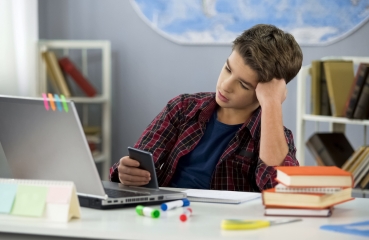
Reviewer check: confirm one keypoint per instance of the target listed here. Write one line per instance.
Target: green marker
(65, 105)
(147, 211)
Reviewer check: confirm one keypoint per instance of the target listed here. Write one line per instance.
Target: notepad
(50, 200)
(218, 196)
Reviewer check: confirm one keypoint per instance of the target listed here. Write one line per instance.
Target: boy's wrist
(270, 104)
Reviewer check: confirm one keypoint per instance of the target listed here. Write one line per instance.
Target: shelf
(99, 158)
(97, 99)
(84, 47)
(329, 119)
(335, 123)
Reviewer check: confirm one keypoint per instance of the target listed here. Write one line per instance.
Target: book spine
(320, 150)
(315, 87)
(76, 75)
(315, 154)
(325, 106)
(357, 86)
(51, 77)
(362, 108)
(55, 68)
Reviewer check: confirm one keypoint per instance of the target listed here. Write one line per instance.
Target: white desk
(204, 224)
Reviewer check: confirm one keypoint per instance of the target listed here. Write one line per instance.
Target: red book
(77, 76)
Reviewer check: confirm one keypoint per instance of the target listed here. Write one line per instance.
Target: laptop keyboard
(119, 193)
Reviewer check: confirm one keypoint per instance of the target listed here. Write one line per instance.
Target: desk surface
(204, 224)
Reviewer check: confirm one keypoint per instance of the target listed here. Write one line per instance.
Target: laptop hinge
(92, 196)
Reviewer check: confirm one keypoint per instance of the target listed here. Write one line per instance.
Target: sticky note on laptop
(7, 196)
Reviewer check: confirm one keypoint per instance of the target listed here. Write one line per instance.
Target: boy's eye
(243, 86)
(227, 69)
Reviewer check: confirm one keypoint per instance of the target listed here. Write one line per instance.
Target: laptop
(37, 142)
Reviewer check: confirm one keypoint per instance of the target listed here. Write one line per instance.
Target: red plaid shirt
(179, 127)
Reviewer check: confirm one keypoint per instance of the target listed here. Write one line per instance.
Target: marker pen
(174, 204)
(186, 214)
(147, 211)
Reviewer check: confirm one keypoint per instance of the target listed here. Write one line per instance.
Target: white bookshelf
(336, 124)
(103, 97)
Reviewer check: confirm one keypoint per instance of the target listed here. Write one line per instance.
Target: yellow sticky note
(30, 201)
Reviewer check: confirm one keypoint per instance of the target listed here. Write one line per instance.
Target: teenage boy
(230, 139)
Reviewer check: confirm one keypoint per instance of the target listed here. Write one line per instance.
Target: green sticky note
(7, 195)
(30, 201)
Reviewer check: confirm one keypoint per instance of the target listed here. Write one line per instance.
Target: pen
(234, 224)
(186, 214)
(174, 204)
(147, 211)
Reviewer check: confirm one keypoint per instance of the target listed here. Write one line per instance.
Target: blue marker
(174, 204)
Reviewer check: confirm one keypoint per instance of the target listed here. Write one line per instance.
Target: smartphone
(146, 162)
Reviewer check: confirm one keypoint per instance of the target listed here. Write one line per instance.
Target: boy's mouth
(221, 97)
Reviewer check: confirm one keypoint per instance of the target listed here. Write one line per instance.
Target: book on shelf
(356, 88)
(319, 91)
(315, 87)
(350, 162)
(68, 66)
(364, 184)
(358, 165)
(314, 176)
(305, 200)
(50, 75)
(330, 149)
(56, 76)
(298, 212)
(362, 174)
(325, 106)
(362, 108)
(91, 129)
(93, 138)
(339, 76)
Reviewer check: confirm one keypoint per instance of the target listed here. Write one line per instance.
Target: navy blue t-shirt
(195, 169)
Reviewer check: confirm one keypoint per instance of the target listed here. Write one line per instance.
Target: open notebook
(216, 196)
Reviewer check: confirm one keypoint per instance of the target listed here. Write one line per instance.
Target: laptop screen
(45, 140)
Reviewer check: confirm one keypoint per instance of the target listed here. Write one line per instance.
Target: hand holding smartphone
(146, 162)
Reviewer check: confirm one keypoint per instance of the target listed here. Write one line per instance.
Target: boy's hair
(270, 52)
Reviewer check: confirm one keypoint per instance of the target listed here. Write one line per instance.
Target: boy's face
(236, 85)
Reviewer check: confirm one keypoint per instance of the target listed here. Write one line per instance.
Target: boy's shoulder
(197, 98)
(200, 96)
(189, 104)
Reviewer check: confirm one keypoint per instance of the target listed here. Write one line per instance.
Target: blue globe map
(311, 22)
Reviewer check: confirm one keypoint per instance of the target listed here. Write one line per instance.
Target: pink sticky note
(45, 102)
(59, 194)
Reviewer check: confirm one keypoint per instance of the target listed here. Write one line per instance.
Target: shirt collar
(252, 124)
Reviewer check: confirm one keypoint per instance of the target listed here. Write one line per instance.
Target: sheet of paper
(30, 201)
(226, 195)
(7, 195)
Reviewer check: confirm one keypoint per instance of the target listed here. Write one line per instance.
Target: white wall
(148, 70)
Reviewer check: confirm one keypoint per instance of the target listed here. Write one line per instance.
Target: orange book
(314, 176)
(305, 200)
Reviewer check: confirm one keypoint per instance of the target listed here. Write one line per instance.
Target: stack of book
(307, 191)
